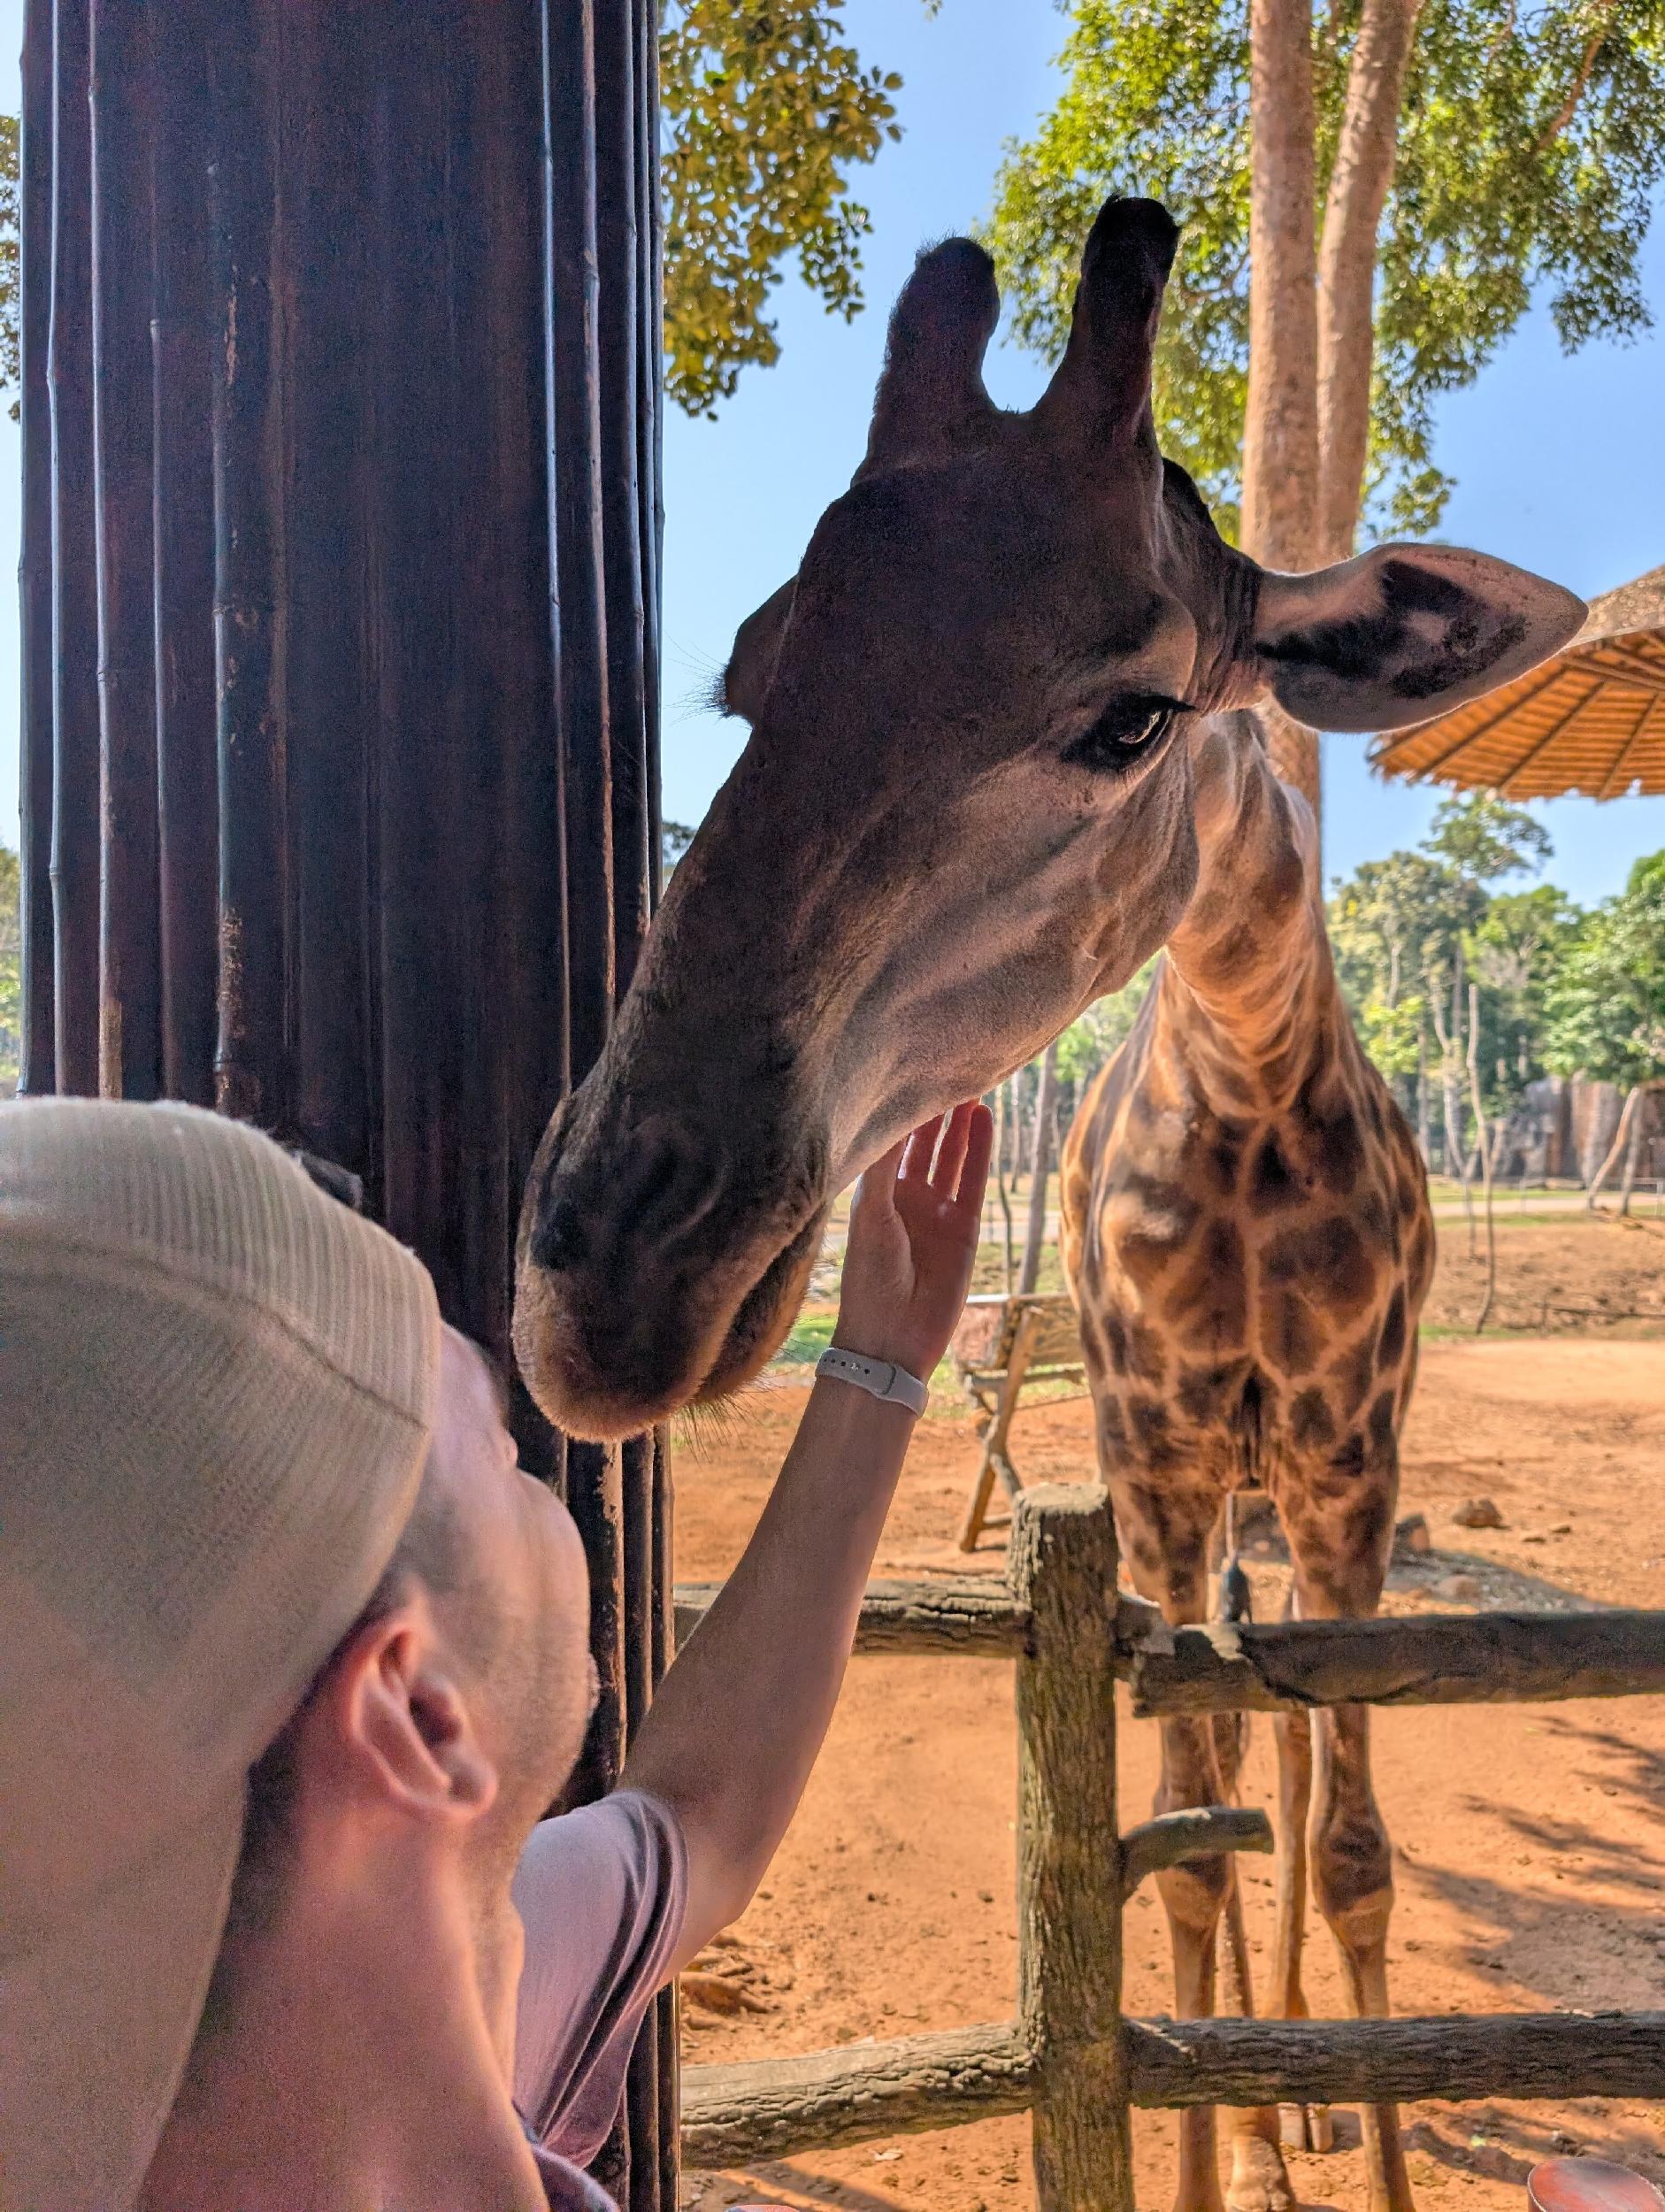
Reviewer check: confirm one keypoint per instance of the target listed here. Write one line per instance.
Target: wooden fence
(1069, 2056)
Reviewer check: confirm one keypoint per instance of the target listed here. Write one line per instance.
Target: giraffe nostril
(559, 1241)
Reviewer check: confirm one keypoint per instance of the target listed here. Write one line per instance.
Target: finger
(915, 1161)
(951, 1152)
(979, 1150)
(877, 1183)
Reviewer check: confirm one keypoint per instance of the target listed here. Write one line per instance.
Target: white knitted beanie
(216, 1393)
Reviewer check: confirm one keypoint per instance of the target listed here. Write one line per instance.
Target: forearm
(736, 1725)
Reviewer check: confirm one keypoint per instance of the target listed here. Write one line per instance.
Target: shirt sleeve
(602, 1893)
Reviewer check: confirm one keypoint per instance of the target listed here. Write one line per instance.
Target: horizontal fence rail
(1438, 1659)
(736, 2115)
(1274, 1666)
(970, 1616)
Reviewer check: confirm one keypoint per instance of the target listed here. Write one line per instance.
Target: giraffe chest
(1288, 1253)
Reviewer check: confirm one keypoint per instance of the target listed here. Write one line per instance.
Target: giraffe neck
(1248, 999)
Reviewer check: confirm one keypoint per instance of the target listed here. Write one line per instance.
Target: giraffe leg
(1195, 1897)
(1353, 1880)
(1305, 2127)
(1347, 1844)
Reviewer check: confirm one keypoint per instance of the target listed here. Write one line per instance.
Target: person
(294, 1658)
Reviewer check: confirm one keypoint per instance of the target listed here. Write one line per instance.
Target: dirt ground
(1530, 1841)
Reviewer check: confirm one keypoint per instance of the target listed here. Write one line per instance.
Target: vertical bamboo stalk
(618, 181)
(188, 805)
(34, 792)
(578, 524)
(76, 859)
(129, 994)
(1062, 1566)
(250, 454)
(322, 273)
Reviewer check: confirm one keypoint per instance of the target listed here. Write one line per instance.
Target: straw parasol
(1592, 720)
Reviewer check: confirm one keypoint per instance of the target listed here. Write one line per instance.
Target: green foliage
(1482, 837)
(765, 109)
(1604, 1013)
(11, 367)
(1530, 145)
(674, 840)
(10, 971)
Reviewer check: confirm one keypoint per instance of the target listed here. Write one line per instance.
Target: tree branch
(1576, 91)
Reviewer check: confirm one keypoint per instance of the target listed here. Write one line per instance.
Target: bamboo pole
(186, 767)
(326, 269)
(35, 766)
(249, 433)
(75, 840)
(129, 980)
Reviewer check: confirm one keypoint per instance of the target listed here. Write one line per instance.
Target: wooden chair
(1002, 1347)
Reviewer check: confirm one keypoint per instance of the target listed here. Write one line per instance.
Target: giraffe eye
(1129, 728)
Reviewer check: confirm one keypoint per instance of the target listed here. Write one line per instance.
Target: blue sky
(1560, 463)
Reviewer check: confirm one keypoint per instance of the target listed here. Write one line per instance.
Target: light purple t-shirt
(602, 1893)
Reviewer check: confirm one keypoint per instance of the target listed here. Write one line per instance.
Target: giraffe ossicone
(964, 811)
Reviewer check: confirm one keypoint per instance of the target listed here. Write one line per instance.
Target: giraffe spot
(1381, 1425)
(1353, 1375)
(1289, 1331)
(1390, 1345)
(1146, 1355)
(1366, 1525)
(1152, 1433)
(1329, 1260)
(1210, 1296)
(1310, 1425)
(1201, 1392)
(1152, 1221)
(1111, 1426)
(1273, 1184)
(1331, 1123)
(1373, 1109)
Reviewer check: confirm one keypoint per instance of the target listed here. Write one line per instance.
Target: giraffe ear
(930, 388)
(744, 684)
(1403, 632)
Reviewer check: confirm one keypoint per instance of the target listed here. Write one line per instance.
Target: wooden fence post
(1062, 1566)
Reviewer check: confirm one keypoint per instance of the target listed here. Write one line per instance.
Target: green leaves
(1531, 146)
(1606, 1010)
(766, 110)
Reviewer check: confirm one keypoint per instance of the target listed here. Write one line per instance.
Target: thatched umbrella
(1592, 720)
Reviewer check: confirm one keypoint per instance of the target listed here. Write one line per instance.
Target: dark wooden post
(1069, 1881)
(341, 410)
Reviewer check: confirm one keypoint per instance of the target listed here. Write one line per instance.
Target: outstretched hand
(914, 1228)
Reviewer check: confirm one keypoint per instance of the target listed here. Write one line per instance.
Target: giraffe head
(964, 812)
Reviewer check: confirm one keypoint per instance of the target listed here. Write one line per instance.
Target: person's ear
(399, 1724)
(1404, 632)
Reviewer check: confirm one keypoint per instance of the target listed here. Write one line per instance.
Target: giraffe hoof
(1258, 2182)
(1306, 2127)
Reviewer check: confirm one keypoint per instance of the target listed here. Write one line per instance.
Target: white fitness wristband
(894, 1385)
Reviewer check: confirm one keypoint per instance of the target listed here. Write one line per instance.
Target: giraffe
(1246, 1230)
(964, 810)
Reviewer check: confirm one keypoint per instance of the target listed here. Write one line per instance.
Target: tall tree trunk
(1484, 1148)
(1628, 1120)
(1280, 433)
(1360, 179)
(1424, 1119)
(1042, 1170)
